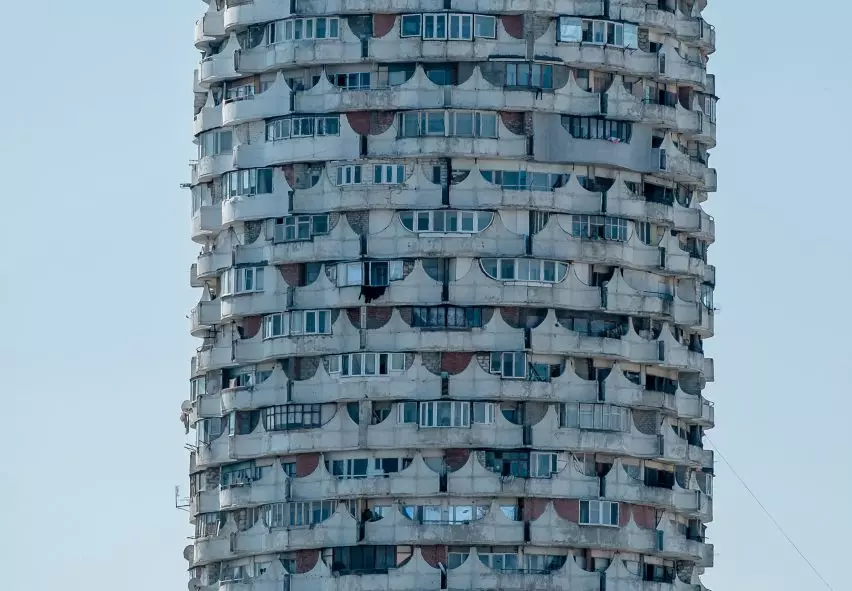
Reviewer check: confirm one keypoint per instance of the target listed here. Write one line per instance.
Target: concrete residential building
(455, 289)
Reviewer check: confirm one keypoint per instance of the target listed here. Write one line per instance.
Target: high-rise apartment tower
(454, 294)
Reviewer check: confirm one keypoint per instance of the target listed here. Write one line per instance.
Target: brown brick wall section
(514, 25)
(568, 509)
(354, 315)
(306, 464)
(379, 316)
(434, 555)
(251, 326)
(512, 316)
(644, 516)
(513, 121)
(359, 221)
(456, 458)
(407, 315)
(534, 508)
(306, 560)
(382, 24)
(292, 274)
(455, 363)
(359, 122)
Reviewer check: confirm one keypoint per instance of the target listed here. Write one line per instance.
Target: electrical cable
(769, 515)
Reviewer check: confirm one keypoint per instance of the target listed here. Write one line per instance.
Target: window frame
(602, 509)
(392, 363)
(238, 278)
(282, 417)
(498, 364)
(590, 416)
(433, 412)
(521, 264)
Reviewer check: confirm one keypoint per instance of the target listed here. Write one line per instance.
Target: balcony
(343, 50)
(340, 243)
(260, 206)
(697, 30)
(256, 303)
(273, 102)
(414, 575)
(254, 12)
(211, 262)
(209, 117)
(303, 149)
(391, 434)
(204, 316)
(220, 67)
(343, 338)
(396, 241)
(209, 27)
(416, 191)
(206, 222)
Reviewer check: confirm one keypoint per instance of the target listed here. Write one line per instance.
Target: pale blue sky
(98, 109)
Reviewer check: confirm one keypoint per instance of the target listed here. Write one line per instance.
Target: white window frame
(438, 20)
(218, 144)
(595, 417)
(301, 513)
(465, 222)
(346, 273)
(344, 364)
(388, 174)
(479, 22)
(458, 20)
(600, 513)
(276, 325)
(459, 412)
(504, 364)
(302, 29)
(350, 174)
(197, 387)
(411, 17)
(527, 268)
(537, 458)
(291, 228)
(483, 413)
(320, 321)
(244, 279)
(245, 182)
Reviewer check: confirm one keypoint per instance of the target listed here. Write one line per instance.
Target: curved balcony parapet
(416, 191)
(390, 434)
(204, 316)
(345, 49)
(209, 117)
(396, 241)
(262, 206)
(476, 192)
(212, 262)
(272, 487)
(416, 480)
(208, 168)
(244, 14)
(495, 528)
(389, 145)
(473, 574)
(342, 338)
(273, 102)
(416, 574)
(205, 501)
(240, 305)
(396, 335)
(633, 62)
(474, 287)
(552, 530)
(307, 149)
(206, 222)
(339, 433)
(695, 220)
(621, 298)
(679, 69)
(209, 27)
(220, 66)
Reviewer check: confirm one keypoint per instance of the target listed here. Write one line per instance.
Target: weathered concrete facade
(455, 289)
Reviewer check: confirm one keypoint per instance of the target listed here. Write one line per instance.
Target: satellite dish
(194, 585)
(186, 406)
(189, 553)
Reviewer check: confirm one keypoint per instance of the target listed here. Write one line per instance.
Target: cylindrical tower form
(454, 295)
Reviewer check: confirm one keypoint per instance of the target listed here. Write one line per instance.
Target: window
(599, 227)
(484, 413)
(707, 295)
(197, 388)
(275, 325)
(407, 412)
(349, 175)
(594, 128)
(461, 27)
(527, 75)
(499, 561)
(523, 180)
(508, 463)
(351, 80)
(485, 26)
(303, 28)
(251, 181)
(444, 413)
(525, 270)
(240, 474)
(446, 221)
(368, 364)
(292, 416)
(448, 123)
(309, 513)
(435, 26)
(296, 127)
(388, 174)
(411, 25)
(244, 279)
(363, 468)
(372, 273)
(450, 514)
(239, 93)
(366, 559)
(574, 30)
(542, 465)
(300, 227)
(446, 317)
(598, 513)
(601, 417)
(509, 365)
(215, 142)
(310, 322)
